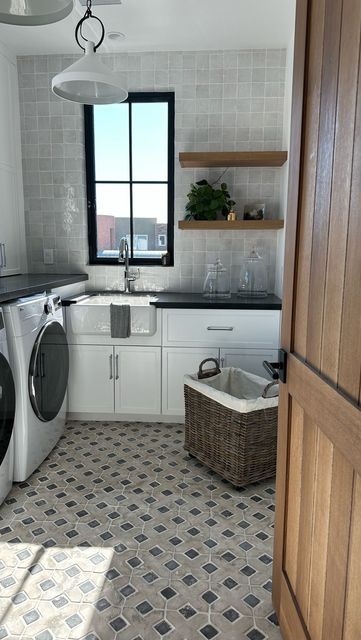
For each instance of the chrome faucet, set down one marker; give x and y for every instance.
(124, 259)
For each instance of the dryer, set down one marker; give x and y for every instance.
(39, 357)
(7, 416)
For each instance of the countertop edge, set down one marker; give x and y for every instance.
(47, 282)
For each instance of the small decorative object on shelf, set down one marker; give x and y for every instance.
(205, 202)
(232, 216)
(254, 211)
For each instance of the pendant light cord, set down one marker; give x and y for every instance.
(79, 27)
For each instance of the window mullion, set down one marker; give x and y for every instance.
(131, 225)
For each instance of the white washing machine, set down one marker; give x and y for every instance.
(39, 357)
(7, 417)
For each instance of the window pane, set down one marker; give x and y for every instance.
(113, 217)
(150, 141)
(150, 208)
(111, 141)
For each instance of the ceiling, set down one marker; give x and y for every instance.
(158, 25)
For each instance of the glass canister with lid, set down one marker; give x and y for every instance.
(253, 277)
(217, 284)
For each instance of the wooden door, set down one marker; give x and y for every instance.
(317, 566)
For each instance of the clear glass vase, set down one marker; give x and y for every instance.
(253, 277)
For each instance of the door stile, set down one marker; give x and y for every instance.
(288, 288)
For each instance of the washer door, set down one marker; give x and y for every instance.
(7, 406)
(49, 370)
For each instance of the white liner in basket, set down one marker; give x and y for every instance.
(234, 388)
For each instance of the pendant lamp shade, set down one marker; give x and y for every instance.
(89, 81)
(34, 12)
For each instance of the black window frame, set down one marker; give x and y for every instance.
(134, 97)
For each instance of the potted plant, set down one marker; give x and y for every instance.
(205, 202)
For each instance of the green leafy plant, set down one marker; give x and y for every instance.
(205, 202)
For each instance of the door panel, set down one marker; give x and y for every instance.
(177, 362)
(49, 371)
(137, 380)
(91, 379)
(353, 590)
(7, 404)
(317, 571)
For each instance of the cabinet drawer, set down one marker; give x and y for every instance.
(237, 328)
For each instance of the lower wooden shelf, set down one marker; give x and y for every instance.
(230, 224)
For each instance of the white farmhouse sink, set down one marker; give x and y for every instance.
(91, 314)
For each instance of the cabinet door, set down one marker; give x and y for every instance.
(91, 379)
(176, 363)
(7, 73)
(248, 359)
(12, 232)
(10, 259)
(138, 380)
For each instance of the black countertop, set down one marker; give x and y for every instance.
(197, 301)
(168, 300)
(12, 287)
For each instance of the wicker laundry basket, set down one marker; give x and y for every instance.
(240, 445)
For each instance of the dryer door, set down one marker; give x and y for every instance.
(49, 370)
(7, 406)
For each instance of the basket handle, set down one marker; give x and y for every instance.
(200, 370)
(268, 387)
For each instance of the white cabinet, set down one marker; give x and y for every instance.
(91, 379)
(248, 359)
(10, 258)
(137, 380)
(238, 337)
(12, 233)
(176, 363)
(107, 379)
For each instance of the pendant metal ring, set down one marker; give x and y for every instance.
(79, 30)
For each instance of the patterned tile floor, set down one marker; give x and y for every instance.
(119, 534)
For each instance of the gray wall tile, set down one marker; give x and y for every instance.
(225, 100)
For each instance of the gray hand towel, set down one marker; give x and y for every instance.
(120, 320)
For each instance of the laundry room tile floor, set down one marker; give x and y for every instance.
(120, 534)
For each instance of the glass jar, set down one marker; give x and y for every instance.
(216, 284)
(253, 277)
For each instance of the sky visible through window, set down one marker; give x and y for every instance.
(150, 159)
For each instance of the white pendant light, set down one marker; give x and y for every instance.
(34, 12)
(88, 80)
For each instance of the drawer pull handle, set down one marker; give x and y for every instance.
(220, 328)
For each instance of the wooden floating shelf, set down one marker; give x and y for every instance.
(230, 224)
(207, 159)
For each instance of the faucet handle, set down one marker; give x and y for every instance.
(134, 275)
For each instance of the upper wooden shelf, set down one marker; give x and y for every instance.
(230, 224)
(199, 159)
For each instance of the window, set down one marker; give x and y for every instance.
(130, 178)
